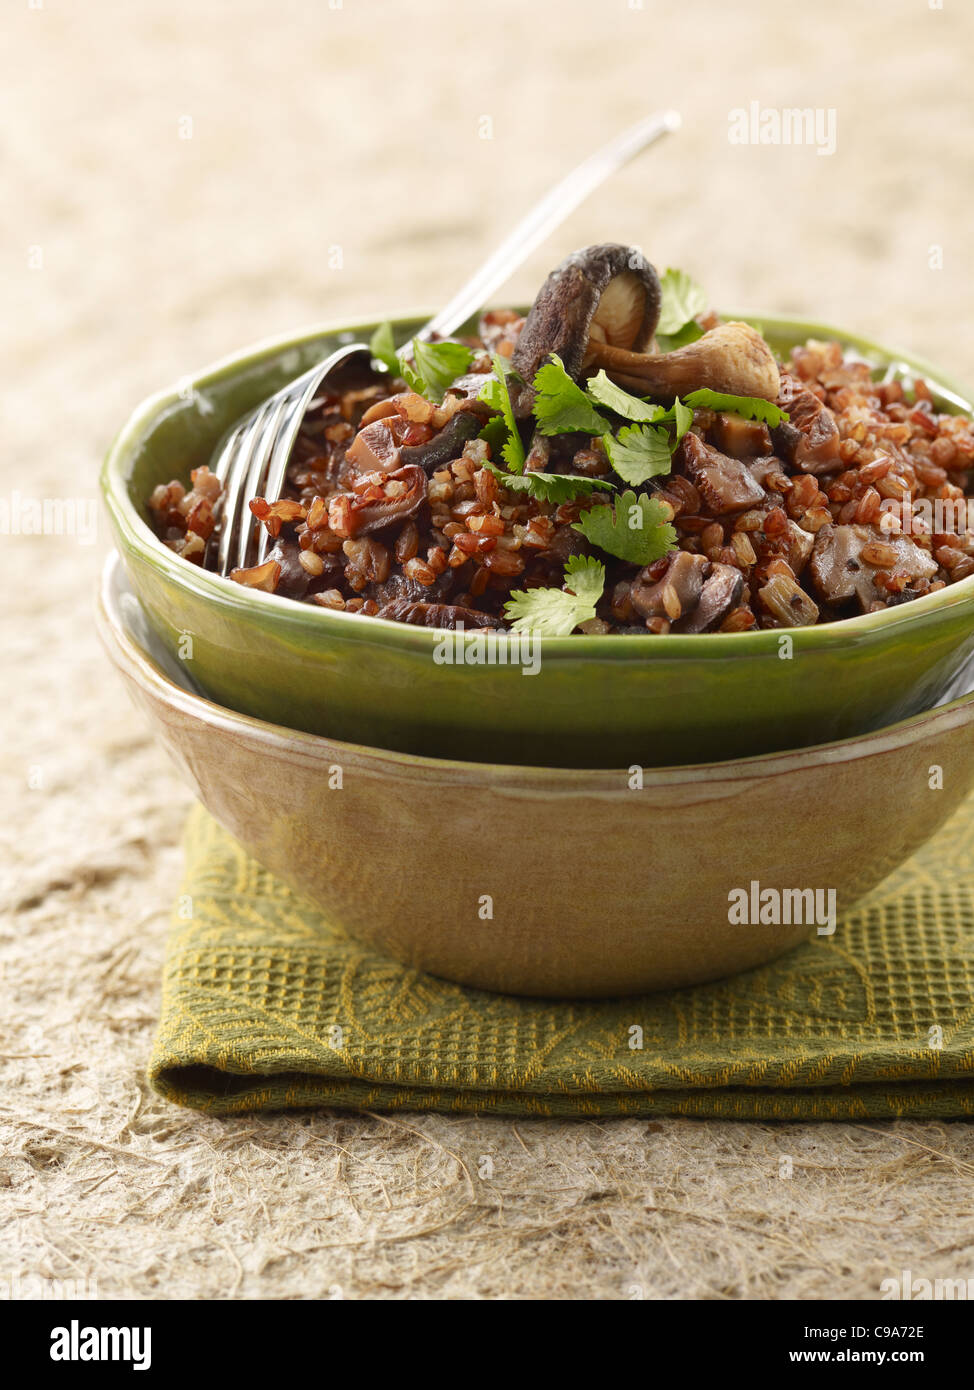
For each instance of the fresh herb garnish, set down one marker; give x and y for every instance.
(435, 367)
(638, 453)
(550, 487)
(689, 333)
(682, 416)
(502, 433)
(750, 407)
(607, 393)
(554, 612)
(682, 300)
(383, 348)
(496, 433)
(634, 529)
(561, 406)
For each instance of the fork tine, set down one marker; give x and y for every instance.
(221, 468)
(293, 412)
(266, 434)
(239, 467)
(261, 444)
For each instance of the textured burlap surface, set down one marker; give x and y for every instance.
(335, 165)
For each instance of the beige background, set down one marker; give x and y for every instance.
(324, 135)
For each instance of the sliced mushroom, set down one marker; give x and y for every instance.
(605, 297)
(349, 515)
(469, 386)
(374, 448)
(844, 563)
(293, 579)
(676, 594)
(721, 593)
(809, 438)
(466, 424)
(740, 438)
(399, 588)
(539, 454)
(725, 484)
(798, 545)
(763, 469)
(448, 615)
(733, 358)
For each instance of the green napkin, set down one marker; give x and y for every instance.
(265, 1006)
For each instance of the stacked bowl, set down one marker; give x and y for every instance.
(606, 825)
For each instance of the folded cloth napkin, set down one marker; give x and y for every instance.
(265, 1006)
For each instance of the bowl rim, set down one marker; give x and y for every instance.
(136, 536)
(127, 653)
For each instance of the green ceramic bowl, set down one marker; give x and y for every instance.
(595, 702)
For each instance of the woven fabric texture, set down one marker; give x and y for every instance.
(266, 1007)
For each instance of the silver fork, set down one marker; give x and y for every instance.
(253, 459)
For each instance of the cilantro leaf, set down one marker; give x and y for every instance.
(495, 432)
(607, 393)
(638, 453)
(683, 300)
(383, 349)
(555, 612)
(549, 487)
(689, 333)
(751, 407)
(436, 366)
(679, 415)
(561, 406)
(682, 418)
(412, 378)
(635, 529)
(495, 393)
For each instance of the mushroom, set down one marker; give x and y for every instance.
(798, 545)
(448, 615)
(844, 563)
(349, 515)
(294, 580)
(600, 308)
(399, 588)
(809, 439)
(740, 438)
(676, 594)
(733, 358)
(374, 448)
(726, 484)
(721, 593)
(467, 423)
(605, 297)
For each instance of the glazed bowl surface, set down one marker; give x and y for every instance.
(546, 880)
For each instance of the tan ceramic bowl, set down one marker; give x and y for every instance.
(546, 880)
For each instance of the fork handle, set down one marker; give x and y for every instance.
(553, 208)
